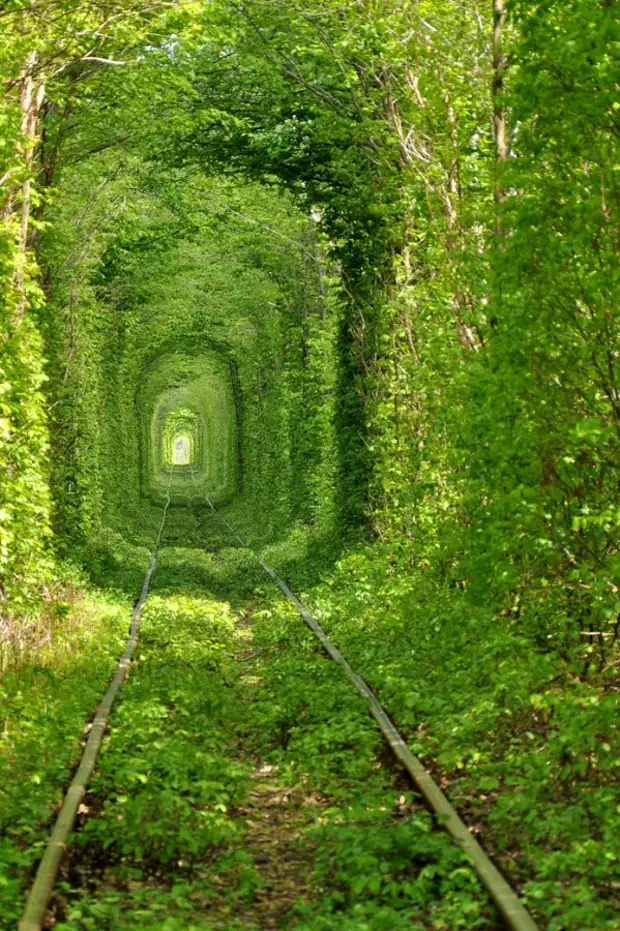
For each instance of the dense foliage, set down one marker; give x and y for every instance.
(363, 257)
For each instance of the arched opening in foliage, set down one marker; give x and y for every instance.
(182, 438)
(192, 411)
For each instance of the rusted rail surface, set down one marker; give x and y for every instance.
(513, 911)
(47, 872)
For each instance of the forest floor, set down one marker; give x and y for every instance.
(242, 784)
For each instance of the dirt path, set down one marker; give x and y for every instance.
(274, 817)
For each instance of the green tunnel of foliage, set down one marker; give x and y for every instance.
(191, 399)
(201, 324)
(294, 234)
(401, 327)
(390, 360)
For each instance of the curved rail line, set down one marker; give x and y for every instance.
(513, 911)
(40, 894)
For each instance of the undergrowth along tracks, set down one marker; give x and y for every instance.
(233, 825)
(41, 891)
(507, 901)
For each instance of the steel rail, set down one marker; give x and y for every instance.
(41, 891)
(503, 895)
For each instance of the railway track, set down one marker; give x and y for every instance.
(47, 872)
(510, 907)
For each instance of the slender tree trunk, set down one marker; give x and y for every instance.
(500, 134)
(499, 113)
(31, 101)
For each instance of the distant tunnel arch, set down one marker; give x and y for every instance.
(189, 433)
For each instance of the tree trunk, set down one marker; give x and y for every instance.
(31, 101)
(499, 113)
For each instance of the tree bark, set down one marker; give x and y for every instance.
(31, 101)
(499, 113)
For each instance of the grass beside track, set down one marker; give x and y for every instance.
(243, 785)
(45, 704)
